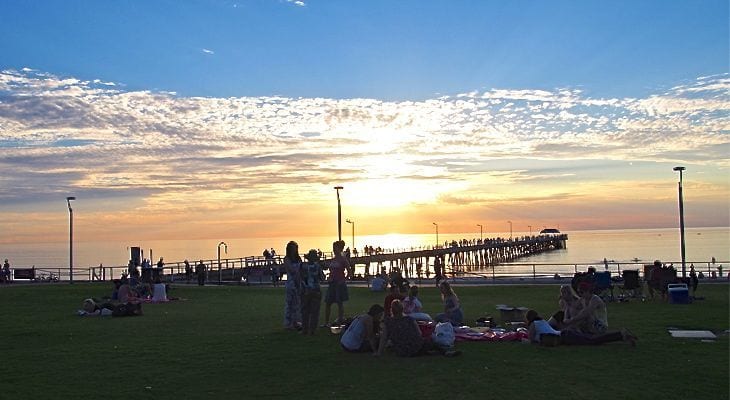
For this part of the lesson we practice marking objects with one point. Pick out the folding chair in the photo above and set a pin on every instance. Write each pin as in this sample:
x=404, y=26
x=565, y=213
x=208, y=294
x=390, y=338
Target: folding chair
x=632, y=286
x=603, y=284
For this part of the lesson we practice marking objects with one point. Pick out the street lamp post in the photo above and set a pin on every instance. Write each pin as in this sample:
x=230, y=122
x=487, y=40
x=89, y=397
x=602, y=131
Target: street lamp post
x=339, y=214
x=349, y=221
x=681, y=221
x=481, y=231
x=70, y=239
x=437, y=234
x=220, y=273
x=530, y=227
x=510, y=229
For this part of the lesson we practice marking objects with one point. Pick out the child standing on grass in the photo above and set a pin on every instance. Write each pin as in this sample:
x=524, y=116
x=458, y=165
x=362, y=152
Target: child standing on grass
x=312, y=296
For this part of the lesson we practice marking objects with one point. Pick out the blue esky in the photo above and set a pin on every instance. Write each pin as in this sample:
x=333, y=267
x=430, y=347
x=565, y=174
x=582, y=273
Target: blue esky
x=388, y=50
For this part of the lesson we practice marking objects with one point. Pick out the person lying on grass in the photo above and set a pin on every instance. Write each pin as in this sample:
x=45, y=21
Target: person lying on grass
x=361, y=335
x=540, y=331
x=404, y=336
x=91, y=308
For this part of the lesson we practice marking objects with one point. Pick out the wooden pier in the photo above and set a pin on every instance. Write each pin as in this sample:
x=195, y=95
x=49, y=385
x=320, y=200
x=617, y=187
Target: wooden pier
x=460, y=258
x=454, y=259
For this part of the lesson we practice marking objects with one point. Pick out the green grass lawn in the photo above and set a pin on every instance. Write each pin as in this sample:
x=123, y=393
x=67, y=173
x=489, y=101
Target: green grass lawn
x=228, y=342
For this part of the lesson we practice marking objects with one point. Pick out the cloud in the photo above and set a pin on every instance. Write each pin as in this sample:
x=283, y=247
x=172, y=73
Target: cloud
x=296, y=2
x=207, y=51
x=61, y=134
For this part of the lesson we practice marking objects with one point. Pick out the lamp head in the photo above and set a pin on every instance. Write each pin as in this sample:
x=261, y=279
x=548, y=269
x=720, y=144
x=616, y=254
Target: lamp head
x=435, y=223
x=70, y=198
x=338, y=187
x=679, y=168
x=348, y=221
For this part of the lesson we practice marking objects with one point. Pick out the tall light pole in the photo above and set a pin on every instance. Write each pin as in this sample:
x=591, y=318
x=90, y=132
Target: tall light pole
x=681, y=221
x=339, y=214
x=349, y=221
x=70, y=239
x=220, y=273
x=530, y=226
x=437, y=234
x=481, y=231
x=510, y=229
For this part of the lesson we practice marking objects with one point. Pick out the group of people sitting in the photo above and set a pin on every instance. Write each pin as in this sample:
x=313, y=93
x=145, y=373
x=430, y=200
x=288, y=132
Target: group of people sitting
x=581, y=320
x=126, y=298
x=396, y=324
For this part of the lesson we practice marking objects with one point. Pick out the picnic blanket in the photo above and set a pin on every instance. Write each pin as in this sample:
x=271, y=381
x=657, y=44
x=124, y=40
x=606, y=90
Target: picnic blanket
x=488, y=335
x=483, y=334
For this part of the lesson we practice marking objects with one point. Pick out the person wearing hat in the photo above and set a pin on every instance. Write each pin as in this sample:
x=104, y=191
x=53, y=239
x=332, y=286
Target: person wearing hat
x=312, y=296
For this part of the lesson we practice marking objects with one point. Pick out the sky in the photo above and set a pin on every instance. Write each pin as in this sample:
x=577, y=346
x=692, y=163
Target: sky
x=221, y=119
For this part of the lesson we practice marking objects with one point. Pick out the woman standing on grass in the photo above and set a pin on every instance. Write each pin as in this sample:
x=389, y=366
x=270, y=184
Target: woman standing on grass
x=452, y=308
x=293, y=267
x=337, y=289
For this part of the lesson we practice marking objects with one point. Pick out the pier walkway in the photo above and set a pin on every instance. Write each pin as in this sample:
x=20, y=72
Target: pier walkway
x=456, y=258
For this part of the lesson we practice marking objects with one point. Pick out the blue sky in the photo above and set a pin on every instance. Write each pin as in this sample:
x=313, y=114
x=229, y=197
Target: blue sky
x=389, y=50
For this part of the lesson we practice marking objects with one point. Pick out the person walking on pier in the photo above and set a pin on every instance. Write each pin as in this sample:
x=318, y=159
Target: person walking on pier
x=337, y=289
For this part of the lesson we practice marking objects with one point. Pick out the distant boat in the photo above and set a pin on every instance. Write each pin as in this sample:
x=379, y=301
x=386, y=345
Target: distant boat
x=549, y=231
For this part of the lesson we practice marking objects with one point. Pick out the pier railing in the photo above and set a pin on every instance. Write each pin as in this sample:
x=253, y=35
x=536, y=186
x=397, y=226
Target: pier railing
x=257, y=270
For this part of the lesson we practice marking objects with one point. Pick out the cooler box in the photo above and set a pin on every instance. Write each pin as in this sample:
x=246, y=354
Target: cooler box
x=678, y=293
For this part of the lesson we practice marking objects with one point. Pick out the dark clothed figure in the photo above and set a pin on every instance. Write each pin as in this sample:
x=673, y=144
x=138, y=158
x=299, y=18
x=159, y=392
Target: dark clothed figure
x=200, y=272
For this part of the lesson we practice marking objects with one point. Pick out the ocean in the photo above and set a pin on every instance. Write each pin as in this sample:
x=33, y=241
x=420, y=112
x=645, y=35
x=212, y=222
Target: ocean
x=583, y=247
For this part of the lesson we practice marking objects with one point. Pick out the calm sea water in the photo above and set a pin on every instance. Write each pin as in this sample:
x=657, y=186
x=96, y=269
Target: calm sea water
x=702, y=244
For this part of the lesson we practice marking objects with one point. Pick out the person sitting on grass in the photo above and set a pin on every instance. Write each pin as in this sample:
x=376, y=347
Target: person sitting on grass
x=378, y=284
x=452, y=308
x=392, y=295
x=569, y=305
x=405, y=337
x=126, y=294
x=159, y=291
x=412, y=306
x=362, y=333
x=539, y=331
x=592, y=318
